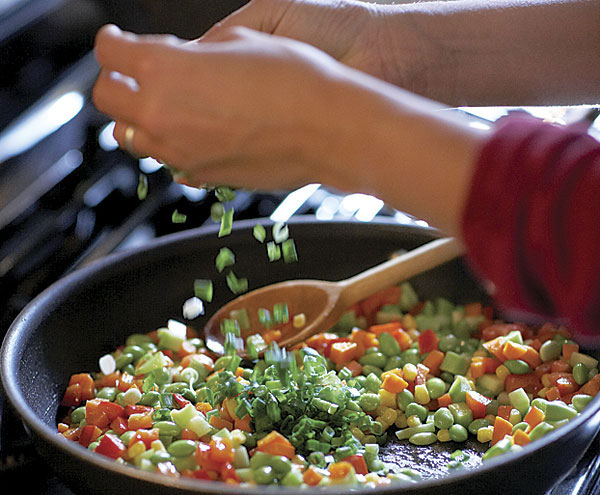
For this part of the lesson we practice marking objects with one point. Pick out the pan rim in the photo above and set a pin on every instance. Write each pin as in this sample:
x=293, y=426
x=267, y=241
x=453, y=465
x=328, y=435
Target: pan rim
x=10, y=349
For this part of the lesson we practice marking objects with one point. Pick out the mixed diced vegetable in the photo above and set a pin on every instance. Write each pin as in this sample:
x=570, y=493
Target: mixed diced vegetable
x=393, y=369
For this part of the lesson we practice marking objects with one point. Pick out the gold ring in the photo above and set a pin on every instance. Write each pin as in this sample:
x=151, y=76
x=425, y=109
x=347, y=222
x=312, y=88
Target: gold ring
x=128, y=140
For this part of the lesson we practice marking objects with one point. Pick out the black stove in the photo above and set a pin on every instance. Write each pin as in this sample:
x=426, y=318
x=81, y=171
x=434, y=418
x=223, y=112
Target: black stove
x=69, y=196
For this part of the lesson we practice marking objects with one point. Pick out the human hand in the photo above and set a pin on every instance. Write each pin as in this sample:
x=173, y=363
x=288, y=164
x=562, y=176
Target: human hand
x=365, y=36
x=241, y=108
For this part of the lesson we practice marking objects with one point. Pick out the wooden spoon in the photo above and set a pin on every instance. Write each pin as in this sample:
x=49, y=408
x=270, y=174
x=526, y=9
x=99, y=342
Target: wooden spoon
x=324, y=302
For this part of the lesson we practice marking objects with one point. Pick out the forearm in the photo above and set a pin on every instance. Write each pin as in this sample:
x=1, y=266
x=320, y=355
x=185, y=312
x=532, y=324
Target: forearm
x=497, y=52
x=407, y=150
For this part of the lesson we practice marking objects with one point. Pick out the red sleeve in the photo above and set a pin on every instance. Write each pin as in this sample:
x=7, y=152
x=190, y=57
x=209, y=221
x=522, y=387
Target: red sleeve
x=532, y=222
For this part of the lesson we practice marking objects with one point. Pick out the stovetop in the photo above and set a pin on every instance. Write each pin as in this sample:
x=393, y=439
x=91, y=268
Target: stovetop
x=69, y=196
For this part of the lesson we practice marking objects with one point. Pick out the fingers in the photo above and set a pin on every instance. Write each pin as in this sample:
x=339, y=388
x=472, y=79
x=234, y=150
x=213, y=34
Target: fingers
x=116, y=96
x=129, y=53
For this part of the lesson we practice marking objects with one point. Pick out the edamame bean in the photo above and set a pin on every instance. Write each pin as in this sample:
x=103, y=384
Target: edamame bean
x=517, y=366
x=388, y=345
x=425, y=438
x=477, y=424
x=458, y=433
x=550, y=350
x=404, y=398
x=264, y=475
x=369, y=401
x=182, y=448
x=579, y=401
x=580, y=373
x=372, y=383
x=123, y=360
x=160, y=456
x=108, y=393
x=414, y=409
x=78, y=415
x=169, y=428
x=377, y=359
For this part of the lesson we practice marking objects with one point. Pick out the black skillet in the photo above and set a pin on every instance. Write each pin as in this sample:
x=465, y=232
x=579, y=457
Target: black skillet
x=91, y=311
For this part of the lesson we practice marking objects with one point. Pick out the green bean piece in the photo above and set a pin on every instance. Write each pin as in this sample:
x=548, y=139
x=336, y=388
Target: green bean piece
x=424, y=438
x=182, y=448
x=458, y=433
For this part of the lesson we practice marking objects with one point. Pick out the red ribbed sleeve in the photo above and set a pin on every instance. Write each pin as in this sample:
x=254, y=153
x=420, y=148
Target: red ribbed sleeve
x=532, y=222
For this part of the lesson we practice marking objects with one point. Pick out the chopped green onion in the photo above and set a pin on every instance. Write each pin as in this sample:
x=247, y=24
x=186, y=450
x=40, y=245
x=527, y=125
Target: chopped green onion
x=289, y=251
x=273, y=251
x=242, y=317
x=226, y=223
x=178, y=217
x=142, y=188
x=216, y=211
x=225, y=193
x=259, y=233
x=229, y=325
x=235, y=284
x=224, y=258
x=203, y=289
x=281, y=313
x=280, y=232
x=264, y=317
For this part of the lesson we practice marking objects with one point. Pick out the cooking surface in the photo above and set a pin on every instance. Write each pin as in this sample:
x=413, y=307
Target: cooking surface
x=68, y=196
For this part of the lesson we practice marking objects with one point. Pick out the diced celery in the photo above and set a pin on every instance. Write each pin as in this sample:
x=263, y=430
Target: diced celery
x=156, y=361
x=462, y=414
x=588, y=361
x=490, y=384
x=455, y=363
x=459, y=388
x=519, y=400
x=408, y=297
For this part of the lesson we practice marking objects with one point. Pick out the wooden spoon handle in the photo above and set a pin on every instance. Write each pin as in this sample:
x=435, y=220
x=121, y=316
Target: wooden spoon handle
x=403, y=267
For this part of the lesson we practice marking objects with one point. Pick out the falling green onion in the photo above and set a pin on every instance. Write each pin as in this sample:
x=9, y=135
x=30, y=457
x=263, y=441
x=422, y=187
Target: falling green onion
x=216, y=211
x=259, y=232
x=235, y=284
x=280, y=232
x=224, y=258
x=203, y=289
x=242, y=317
x=273, y=251
x=225, y=193
x=226, y=223
x=281, y=313
x=230, y=325
x=289, y=251
x=264, y=318
x=178, y=217
x=142, y=188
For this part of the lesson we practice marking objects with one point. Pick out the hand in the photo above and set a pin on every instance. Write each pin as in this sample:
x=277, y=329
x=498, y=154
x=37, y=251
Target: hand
x=240, y=108
x=362, y=35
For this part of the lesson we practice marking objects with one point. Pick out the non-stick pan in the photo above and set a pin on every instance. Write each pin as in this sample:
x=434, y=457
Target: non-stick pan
x=91, y=311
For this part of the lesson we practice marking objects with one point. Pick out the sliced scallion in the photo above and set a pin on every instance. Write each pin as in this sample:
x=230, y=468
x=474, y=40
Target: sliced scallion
x=178, y=217
x=281, y=313
x=225, y=193
x=142, y=188
x=259, y=232
x=288, y=249
x=235, y=284
x=216, y=211
x=273, y=251
x=226, y=223
x=203, y=289
x=224, y=258
x=280, y=232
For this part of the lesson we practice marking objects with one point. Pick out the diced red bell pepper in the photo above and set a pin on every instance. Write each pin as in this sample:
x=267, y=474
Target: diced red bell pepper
x=111, y=446
x=477, y=403
x=180, y=401
x=372, y=304
x=530, y=382
x=89, y=433
x=428, y=341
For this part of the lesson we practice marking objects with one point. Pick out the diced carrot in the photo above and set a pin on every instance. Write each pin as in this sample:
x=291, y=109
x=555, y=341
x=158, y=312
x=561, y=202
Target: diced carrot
x=491, y=364
x=389, y=327
x=568, y=349
x=536, y=344
x=311, y=476
x=567, y=386
x=533, y=417
x=553, y=393
x=243, y=423
x=591, y=387
x=477, y=368
x=445, y=400
x=220, y=423
x=340, y=470
x=433, y=360
x=364, y=338
x=343, y=352
x=532, y=357
x=80, y=388
x=354, y=366
x=204, y=407
x=276, y=444
x=140, y=420
x=521, y=438
x=394, y=384
x=495, y=348
x=513, y=350
x=502, y=427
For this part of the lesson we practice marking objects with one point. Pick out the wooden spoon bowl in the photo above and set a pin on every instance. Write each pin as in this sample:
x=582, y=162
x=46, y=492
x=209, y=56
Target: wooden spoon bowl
x=323, y=302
